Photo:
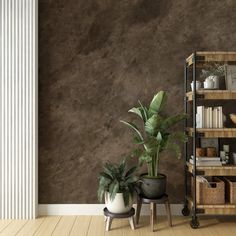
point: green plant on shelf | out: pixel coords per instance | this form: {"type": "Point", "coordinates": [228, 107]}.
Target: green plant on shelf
{"type": "Point", "coordinates": [213, 69]}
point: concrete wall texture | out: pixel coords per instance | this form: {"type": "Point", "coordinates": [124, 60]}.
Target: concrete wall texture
{"type": "Point", "coordinates": [96, 59]}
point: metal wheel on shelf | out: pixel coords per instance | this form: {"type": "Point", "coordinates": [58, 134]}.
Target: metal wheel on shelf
{"type": "Point", "coordinates": [194, 223]}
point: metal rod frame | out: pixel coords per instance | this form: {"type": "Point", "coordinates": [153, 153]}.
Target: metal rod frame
{"type": "Point", "coordinates": [194, 136]}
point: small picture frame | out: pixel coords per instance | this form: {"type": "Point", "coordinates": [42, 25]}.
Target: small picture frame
{"type": "Point", "coordinates": [230, 77]}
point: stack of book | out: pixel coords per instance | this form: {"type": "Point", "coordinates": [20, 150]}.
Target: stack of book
{"type": "Point", "coordinates": [206, 161]}
{"type": "Point", "coordinates": [209, 117]}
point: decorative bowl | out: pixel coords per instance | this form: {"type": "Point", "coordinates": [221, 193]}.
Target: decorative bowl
{"type": "Point", "coordinates": [233, 117]}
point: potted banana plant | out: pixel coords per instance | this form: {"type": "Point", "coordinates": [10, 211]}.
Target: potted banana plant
{"type": "Point", "coordinates": [153, 139]}
{"type": "Point", "coordinates": [117, 186]}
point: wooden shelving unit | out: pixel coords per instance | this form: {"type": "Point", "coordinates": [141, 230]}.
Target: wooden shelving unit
{"type": "Point", "coordinates": [192, 99]}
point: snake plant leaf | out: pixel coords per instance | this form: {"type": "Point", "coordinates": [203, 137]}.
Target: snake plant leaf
{"type": "Point", "coordinates": [113, 190]}
{"type": "Point", "coordinates": [133, 127]}
{"type": "Point", "coordinates": [126, 196]}
{"type": "Point", "coordinates": [109, 169]}
{"type": "Point", "coordinates": [122, 167]}
{"type": "Point", "coordinates": [157, 103]}
{"type": "Point", "coordinates": [105, 175]}
{"type": "Point", "coordinates": [131, 171]}
{"type": "Point", "coordinates": [152, 125]}
{"type": "Point", "coordinates": [172, 120]}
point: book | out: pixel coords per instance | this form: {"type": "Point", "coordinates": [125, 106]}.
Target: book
{"type": "Point", "coordinates": [214, 118]}
{"type": "Point", "coordinates": [207, 158]}
{"type": "Point", "coordinates": [205, 118]}
{"type": "Point", "coordinates": [210, 117]}
{"type": "Point", "coordinates": [220, 117]}
{"type": "Point", "coordinates": [206, 163]}
{"type": "Point", "coordinates": [200, 117]}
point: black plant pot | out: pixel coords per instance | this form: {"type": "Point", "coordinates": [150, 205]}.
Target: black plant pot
{"type": "Point", "coordinates": [153, 187]}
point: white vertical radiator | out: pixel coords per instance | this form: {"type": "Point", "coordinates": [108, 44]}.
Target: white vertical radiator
{"type": "Point", "coordinates": [18, 109]}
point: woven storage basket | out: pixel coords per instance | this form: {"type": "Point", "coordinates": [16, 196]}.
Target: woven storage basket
{"type": "Point", "coordinates": [210, 193]}
{"type": "Point", "coordinates": [230, 189]}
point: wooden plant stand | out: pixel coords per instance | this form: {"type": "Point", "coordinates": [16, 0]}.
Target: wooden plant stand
{"type": "Point", "coordinates": [153, 203]}
{"type": "Point", "coordinates": [110, 216]}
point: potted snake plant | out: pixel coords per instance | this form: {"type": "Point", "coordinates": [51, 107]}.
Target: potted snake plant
{"type": "Point", "coordinates": [153, 139]}
{"type": "Point", "coordinates": [117, 186]}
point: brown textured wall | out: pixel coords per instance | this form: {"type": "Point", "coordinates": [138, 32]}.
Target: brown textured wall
{"type": "Point", "coordinates": [96, 59]}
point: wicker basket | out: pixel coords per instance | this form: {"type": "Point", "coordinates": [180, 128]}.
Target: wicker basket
{"type": "Point", "coordinates": [210, 193]}
{"type": "Point", "coordinates": [230, 189]}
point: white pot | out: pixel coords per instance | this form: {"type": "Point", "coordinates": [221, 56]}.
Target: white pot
{"type": "Point", "coordinates": [117, 205]}
{"type": "Point", "coordinates": [198, 85]}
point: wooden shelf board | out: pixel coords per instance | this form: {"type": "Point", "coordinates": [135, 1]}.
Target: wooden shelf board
{"type": "Point", "coordinates": [222, 209]}
{"type": "Point", "coordinates": [214, 133]}
{"type": "Point", "coordinates": [213, 94]}
{"type": "Point", "coordinates": [226, 170]}
{"type": "Point", "coordinates": [212, 56]}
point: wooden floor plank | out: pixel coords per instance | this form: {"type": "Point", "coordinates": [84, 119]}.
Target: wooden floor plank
{"type": "Point", "coordinates": [48, 226]}
{"type": "Point", "coordinates": [97, 226]}
{"type": "Point", "coordinates": [4, 224]}
{"type": "Point", "coordinates": [64, 226]}
{"type": "Point", "coordinates": [13, 228]}
{"type": "Point", "coordinates": [117, 228]}
{"type": "Point", "coordinates": [80, 226]}
{"type": "Point", "coordinates": [31, 227]}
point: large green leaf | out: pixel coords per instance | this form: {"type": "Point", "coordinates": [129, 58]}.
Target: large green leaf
{"type": "Point", "coordinates": [126, 196]}
{"type": "Point", "coordinates": [133, 127]}
{"type": "Point", "coordinates": [174, 147]}
{"type": "Point", "coordinates": [144, 112]}
{"type": "Point", "coordinates": [172, 120]}
{"type": "Point", "coordinates": [153, 124]}
{"type": "Point", "coordinates": [113, 189]}
{"type": "Point", "coordinates": [157, 103]}
{"type": "Point", "coordinates": [136, 111]}
{"type": "Point", "coordinates": [180, 136]}
{"type": "Point", "coordinates": [122, 167]}
{"type": "Point", "coordinates": [130, 171]}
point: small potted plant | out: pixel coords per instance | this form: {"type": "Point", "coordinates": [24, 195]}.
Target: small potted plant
{"type": "Point", "coordinates": [155, 138]}
{"type": "Point", "coordinates": [211, 73]}
{"type": "Point", "coordinates": [117, 186]}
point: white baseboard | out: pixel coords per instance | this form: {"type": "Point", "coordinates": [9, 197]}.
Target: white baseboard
{"type": "Point", "coordinates": [97, 209]}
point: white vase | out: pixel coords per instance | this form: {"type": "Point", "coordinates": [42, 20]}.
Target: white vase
{"type": "Point", "coordinates": [216, 81]}
{"type": "Point", "coordinates": [117, 205]}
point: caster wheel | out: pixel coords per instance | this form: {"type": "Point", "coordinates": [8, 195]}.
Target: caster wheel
{"type": "Point", "coordinates": [185, 211]}
{"type": "Point", "coordinates": [194, 223]}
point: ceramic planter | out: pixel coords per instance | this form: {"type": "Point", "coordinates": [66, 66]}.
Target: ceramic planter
{"type": "Point", "coordinates": [117, 205]}
{"type": "Point", "coordinates": [153, 187]}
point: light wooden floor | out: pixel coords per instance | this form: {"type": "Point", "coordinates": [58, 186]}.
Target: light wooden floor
{"type": "Point", "coordinates": [94, 226]}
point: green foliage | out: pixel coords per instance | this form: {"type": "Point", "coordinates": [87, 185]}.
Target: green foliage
{"type": "Point", "coordinates": [115, 179]}
{"type": "Point", "coordinates": [157, 136]}
{"type": "Point", "coordinates": [213, 69]}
